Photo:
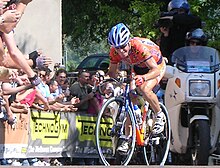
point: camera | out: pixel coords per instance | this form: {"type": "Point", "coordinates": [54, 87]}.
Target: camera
{"type": "Point", "coordinates": [165, 22]}
{"type": "Point", "coordinates": [11, 2]}
{"type": "Point", "coordinates": [171, 13]}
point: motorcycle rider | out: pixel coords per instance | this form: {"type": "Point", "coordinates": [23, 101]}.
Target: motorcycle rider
{"type": "Point", "coordinates": [196, 37]}
{"type": "Point", "coordinates": [148, 64]}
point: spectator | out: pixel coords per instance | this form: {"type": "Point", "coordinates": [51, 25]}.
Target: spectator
{"type": "Point", "coordinates": [53, 86]}
{"type": "Point", "coordinates": [16, 86]}
{"type": "Point", "coordinates": [175, 25]}
{"type": "Point", "coordinates": [66, 90]}
{"type": "Point", "coordinates": [6, 91]}
{"type": "Point", "coordinates": [45, 91]}
{"type": "Point", "coordinates": [96, 102]}
{"type": "Point", "coordinates": [82, 90]}
{"type": "Point", "coordinates": [57, 100]}
{"type": "Point", "coordinates": [60, 77]}
{"type": "Point", "coordinates": [43, 87]}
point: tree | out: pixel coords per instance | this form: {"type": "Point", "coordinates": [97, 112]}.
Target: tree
{"type": "Point", "coordinates": [209, 11]}
{"type": "Point", "coordinates": [87, 22]}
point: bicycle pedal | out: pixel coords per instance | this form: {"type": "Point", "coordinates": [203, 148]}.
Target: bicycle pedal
{"type": "Point", "coordinates": [155, 140]}
{"type": "Point", "coordinates": [119, 123]}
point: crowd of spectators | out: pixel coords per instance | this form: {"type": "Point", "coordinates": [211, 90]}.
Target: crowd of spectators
{"type": "Point", "coordinates": [26, 80]}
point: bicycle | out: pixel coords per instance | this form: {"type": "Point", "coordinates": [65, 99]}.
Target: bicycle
{"type": "Point", "coordinates": [110, 128]}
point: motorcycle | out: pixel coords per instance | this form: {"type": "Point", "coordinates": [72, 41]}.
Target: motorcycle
{"type": "Point", "coordinates": [192, 99]}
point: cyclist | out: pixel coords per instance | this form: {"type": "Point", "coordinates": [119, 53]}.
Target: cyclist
{"type": "Point", "coordinates": [196, 37]}
{"type": "Point", "coordinates": [148, 64]}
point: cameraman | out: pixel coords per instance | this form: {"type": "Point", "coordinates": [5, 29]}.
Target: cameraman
{"type": "Point", "coordinates": [174, 25]}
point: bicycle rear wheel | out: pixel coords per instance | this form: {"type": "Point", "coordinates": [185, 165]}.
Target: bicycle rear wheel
{"type": "Point", "coordinates": [157, 147]}
{"type": "Point", "coordinates": [110, 128]}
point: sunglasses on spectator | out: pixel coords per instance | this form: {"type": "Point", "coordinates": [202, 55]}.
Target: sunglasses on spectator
{"type": "Point", "coordinates": [42, 75]}
{"type": "Point", "coordinates": [121, 47]}
{"type": "Point", "coordinates": [62, 77]}
{"type": "Point", "coordinates": [192, 42]}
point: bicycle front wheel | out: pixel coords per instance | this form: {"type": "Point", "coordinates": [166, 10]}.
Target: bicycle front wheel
{"type": "Point", "coordinates": [111, 126]}
{"type": "Point", "coordinates": [157, 147]}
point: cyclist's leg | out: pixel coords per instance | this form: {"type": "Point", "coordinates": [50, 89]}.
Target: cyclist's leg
{"type": "Point", "coordinates": [157, 147]}
{"type": "Point", "coordinates": [151, 98]}
{"type": "Point", "coordinates": [124, 147]}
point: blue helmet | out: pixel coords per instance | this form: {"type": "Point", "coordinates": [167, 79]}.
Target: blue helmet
{"type": "Point", "coordinates": [197, 34]}
{"type": "Point", "coordinates": [119, 35]}
{"type": "Point", "coordinates": [177, 4]}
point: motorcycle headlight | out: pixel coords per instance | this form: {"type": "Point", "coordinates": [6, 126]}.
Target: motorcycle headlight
{"type": "Point", "coordinates": [200, 88]}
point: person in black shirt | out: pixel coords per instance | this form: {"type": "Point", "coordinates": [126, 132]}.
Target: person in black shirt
{"type": "Point", "coordinates": [174, 25]}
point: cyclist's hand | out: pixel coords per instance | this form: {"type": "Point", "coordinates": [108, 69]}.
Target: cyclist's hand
{"type": "Point", "coordinates": [165, 59]}
{"type": "Point", "coordinates": [139, 80]}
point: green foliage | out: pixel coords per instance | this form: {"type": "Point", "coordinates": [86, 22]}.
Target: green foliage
{"type": "Point", "coordinates": [209, 11]}
{"type": "Point", "coordinates": [86, 23]}
{"type": "Point", "coordinates": [144, 15]}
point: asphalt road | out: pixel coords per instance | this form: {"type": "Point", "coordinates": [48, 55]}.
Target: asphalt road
{"type": "Point", "coordinates": [133, 166]}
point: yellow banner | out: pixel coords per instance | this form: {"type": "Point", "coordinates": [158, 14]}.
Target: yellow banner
{"type": "Point", "coordinates": [48, 127]}
{"type": "Point", "coordinates": [86, 126]}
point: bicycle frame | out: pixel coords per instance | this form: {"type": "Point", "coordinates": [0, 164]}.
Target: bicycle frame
{"type": "Point", "coordinates": [128, 104]}
{"type": "Point", "coordinates": [125, 127]}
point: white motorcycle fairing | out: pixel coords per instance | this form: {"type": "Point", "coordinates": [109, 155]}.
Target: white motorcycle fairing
{"type": "Point", "coordinates": [193, 86]}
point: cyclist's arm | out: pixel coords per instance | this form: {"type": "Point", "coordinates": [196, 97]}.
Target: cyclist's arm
{"type": "Point", "coordinates": [113, 69]}
{"type": "Point", "coordinates": [153, 72]}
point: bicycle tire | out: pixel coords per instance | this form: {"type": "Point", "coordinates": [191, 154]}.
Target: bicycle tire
{"type": "Point", "coordinates": [106, 146]}
{"type": "Point", "coordinates": [156, 154]}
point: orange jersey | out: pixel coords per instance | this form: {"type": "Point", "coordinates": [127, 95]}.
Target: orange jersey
{"type": "Point", "coordinates": [142, 49]}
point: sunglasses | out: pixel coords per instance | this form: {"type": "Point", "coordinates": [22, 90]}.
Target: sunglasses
{"type": "Point", "coordinates": [195, 43]}
{"type": "Point", "coordinates": [42, 75]}
{"type": "Point", "coordinates": [121, 47]}
{"type": "Point", "coordinates": [63, 77]}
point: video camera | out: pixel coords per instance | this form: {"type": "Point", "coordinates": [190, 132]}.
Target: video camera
{"type": "Point", "coordinates": [164, 20]}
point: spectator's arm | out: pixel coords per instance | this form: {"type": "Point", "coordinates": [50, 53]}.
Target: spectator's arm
{"type": "Point", "coordinates": [7, 89]}
{"type": "Point", "coordinates": [81, 102]}
{"type": "Point", "coordinates": [43, 100]}
{"type": "Point", "coordinates": [16, 54]}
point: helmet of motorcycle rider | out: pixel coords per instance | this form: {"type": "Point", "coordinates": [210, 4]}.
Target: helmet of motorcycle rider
{"type": "Point", "coordinates": [119, 35]}
{"type": "Point", "coordinates": [178, 4]}
{"type": "Point", "coordinates": [196, 36]}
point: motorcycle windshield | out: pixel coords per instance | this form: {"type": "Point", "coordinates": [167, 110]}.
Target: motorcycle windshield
{"type": "Point", "coordinates": [196, 59]}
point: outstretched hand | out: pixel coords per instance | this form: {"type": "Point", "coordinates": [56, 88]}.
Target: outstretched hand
{"type": "Point", "coordinates": [43, 61]}
{"type": "Point", "coordinates": [11, 16]}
